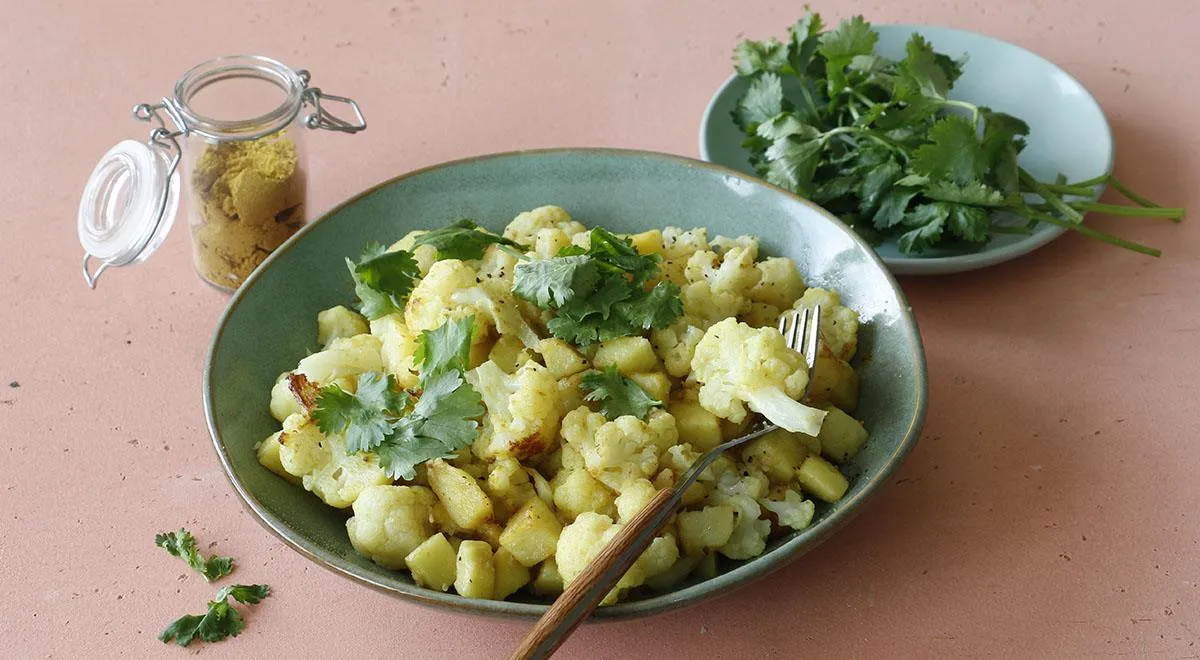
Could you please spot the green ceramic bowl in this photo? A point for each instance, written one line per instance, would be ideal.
(270, 323)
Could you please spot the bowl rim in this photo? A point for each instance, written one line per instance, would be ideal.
(986, 256)
(740, 576)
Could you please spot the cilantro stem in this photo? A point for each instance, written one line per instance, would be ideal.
(1070, 189)
(1093, 233)
(1005, 229)
(1134, 197)
(974, 109)
(1053, 199)
(1094, 181)
(1175, 214)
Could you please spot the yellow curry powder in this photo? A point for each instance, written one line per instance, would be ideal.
(249, 198)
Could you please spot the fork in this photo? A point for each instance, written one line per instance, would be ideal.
(801, 332)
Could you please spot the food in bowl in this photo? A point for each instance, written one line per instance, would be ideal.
(500, 405)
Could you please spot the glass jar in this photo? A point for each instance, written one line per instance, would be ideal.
(237, 125)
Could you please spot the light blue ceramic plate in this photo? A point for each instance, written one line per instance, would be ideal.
(270, 323)
(1068, 131)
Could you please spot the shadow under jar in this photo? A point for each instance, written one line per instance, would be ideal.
(237, 125)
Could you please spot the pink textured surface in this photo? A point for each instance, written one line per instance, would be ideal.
(1051, 508)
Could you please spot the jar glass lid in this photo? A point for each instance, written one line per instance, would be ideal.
(128, 205)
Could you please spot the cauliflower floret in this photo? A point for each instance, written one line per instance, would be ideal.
(389, 522)
(738, 365)
(337, 322)
(498, 264)
(429, 305)
(706, 306)
(733, 270)
(324, 466)
(524, 228)
(523, 413)
(680, 243)
(675, 345)
(424, 255)
(749, 537)
(839, 324)
(346, 357)
(583, 539)
(621, 450)
(453, 289)
(780, 284)
(792, 511)
(398, 346)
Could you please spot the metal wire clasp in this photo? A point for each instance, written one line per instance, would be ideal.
(321, 117)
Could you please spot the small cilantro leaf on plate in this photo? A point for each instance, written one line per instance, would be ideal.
(618, 395)
(364, 417)
(555, 281)
(953, 152)
(445, 348)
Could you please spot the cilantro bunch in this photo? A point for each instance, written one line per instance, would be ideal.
(881, 143)
(378, 416)
(600, 292)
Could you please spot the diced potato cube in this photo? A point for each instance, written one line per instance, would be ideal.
(631, 355)
(822, 479)
(561, 358)
(433, 563)
(475, 577)
(465, 502)
(834, 381)
(635, 495)
(697, 426)
(648, 242)
(707, 568)
(570, 394)
(531, 534)
(708, 528)
(841, 436)
(682, 567)
(656, 384)
(339, 322)
(549, 581)
(490, 532)
(576, 491)
(510, 574)
(731, 430)
(778, 454)
(509, 353)
(268, 456)
(508, 485)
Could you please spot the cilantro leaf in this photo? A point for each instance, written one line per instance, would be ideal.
(656, 310)
(245, 593)
(219, 622)
(365, 417)
(463, 240)
(953, 152)
(183, 545)
(920, 72)
(852, 36)
(794, 163)
(619, 255)
(553, 282)
(877, 182)
(442, 422)
(383, 280)
(928, 222)
(751, 57)
(975, 193)
(762, 101)
(618, 395)
(803, 38)
(445, 348)
(785, 124)
(893, 207)
(969, 223)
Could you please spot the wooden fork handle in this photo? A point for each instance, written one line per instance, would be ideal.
(591, 586)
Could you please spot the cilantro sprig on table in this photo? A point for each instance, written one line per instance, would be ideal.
(377, 417)
(599, 292)
(881, 143)
(617, 394)
(221, 620)
(182, 544)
